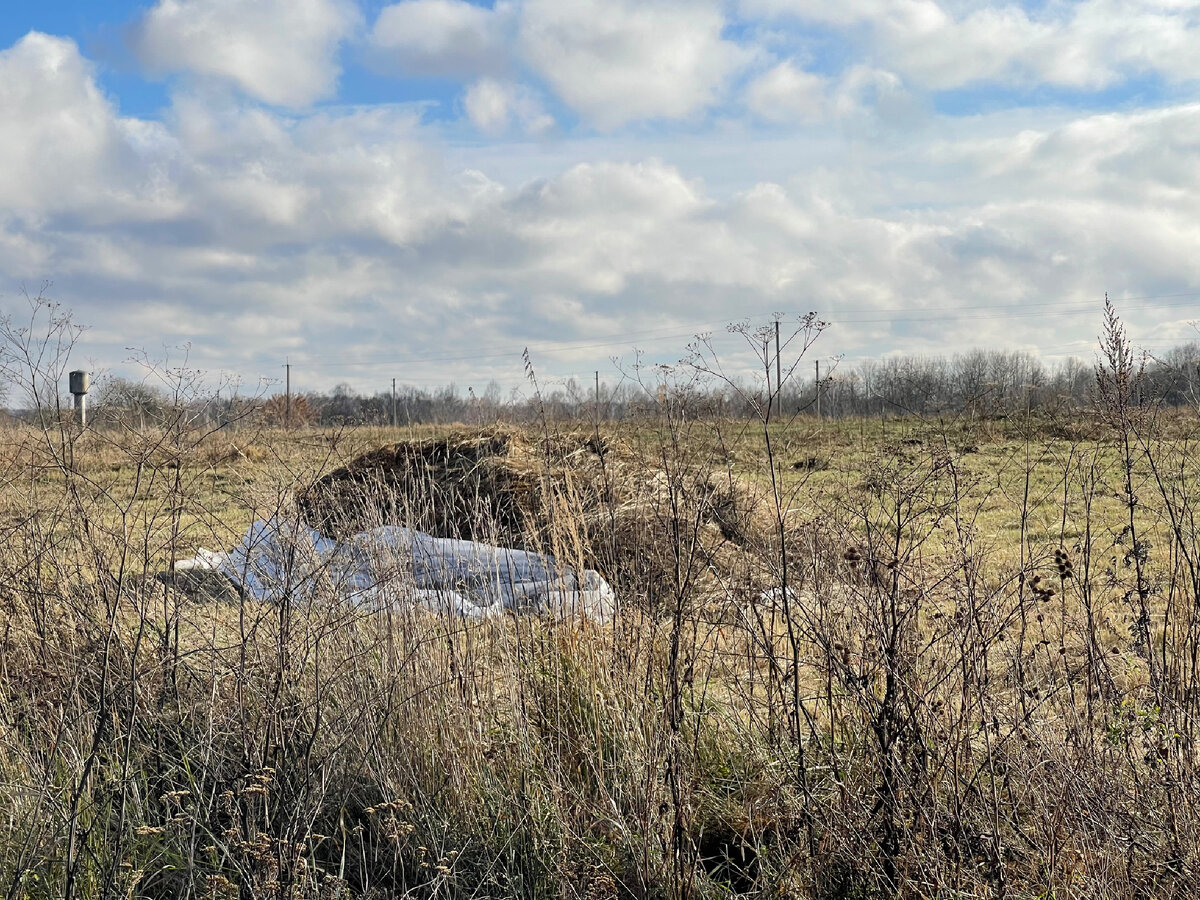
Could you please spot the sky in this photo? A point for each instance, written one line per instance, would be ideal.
(422, 190)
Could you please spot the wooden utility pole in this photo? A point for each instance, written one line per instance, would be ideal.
(393, 402)
(287, 388)
(597, 395)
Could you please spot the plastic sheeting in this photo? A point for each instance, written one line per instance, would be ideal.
(391, 566)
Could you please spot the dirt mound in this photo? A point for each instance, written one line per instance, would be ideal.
(651, 527)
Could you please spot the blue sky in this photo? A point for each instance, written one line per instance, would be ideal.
(421, 189)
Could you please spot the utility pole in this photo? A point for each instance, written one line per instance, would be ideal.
(393, 402)
(597, 395)
(287, 387)
(817, 383)
(778, 377)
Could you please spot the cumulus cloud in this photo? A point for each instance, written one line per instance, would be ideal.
(443, 37)
(62, 144)
(617, 61)
(942, 45)
(494, 106)
(787, 93)
(611, 61)
(866, 97)
(256, 233)
(55, 120)
(279, 51)
(595, 227)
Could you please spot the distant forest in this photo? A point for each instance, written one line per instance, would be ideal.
(980, 382)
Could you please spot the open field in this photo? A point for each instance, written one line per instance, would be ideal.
(861, 658)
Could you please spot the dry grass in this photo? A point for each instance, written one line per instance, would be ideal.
(827, 680)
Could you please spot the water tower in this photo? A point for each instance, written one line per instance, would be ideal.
(80, 382)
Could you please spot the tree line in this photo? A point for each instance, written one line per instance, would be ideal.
(978, 383)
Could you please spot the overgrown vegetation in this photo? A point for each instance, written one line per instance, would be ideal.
(918, 658)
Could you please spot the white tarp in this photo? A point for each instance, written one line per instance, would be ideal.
(393, 566)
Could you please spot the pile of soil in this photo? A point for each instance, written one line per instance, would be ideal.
(654, 529)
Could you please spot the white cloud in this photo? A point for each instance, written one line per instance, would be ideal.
(787, 93)
(443, 37)
(866, 97)
(1129, 159)
(617, 61)
(264, 180)
(257, 233)
(611, 61)
(493, 106)
(487, 103)
(1086, 45)
(55, 121)
(596, 227)
(278, 51)
(62, 145)
(847, 12)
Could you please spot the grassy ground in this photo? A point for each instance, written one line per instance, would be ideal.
(854, 659)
